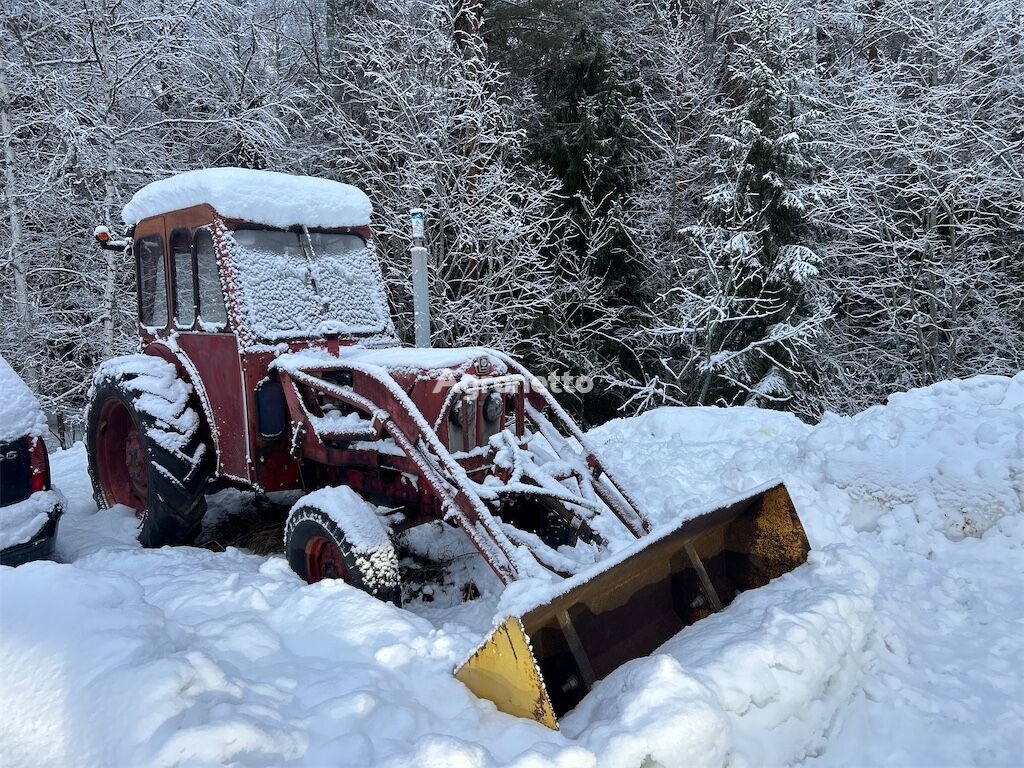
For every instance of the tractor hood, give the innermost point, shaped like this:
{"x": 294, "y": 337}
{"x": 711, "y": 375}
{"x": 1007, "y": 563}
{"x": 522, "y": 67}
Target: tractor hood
{"x": 402, "y": 362}
{"x": 427, "y": 377}
{"x": 405, "y": 365}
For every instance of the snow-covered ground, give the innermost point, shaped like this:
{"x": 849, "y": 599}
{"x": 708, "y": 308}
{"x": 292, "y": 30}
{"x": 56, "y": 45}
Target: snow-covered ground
{"x": 899, "y": 643}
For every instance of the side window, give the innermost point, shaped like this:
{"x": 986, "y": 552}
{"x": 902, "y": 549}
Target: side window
{"x": 211, "y": 297}
{"x": 152, "y": 281}
{"x": 184, "y": 279}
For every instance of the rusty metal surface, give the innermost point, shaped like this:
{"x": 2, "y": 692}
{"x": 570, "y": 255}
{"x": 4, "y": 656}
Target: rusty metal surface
{"x": 629, "y": 610}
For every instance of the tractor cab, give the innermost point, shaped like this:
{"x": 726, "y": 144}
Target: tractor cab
{"x": 234, "y": 267}
{"x": 267, "y": 256}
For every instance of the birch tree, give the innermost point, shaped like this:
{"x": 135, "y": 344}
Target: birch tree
{"x": 931, "y": 162}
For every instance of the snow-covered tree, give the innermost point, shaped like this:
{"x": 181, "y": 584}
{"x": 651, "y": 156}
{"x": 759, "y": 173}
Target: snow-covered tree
{"x": 930, "y": 156}
{"x": 420, "y": 121}
{"x": 742, "y": 303}
{"x": 98, "y": 99}
{"x": 789, "y": 203}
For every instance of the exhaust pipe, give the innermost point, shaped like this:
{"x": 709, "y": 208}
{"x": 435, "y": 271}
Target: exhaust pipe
{"x": 420, "y": 278}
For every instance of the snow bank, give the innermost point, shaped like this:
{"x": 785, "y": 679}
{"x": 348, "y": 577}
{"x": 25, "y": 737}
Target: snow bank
{"x": 264, "y": 197}
{"x": 951, "y": 456}
{"x": 945, "y": 687}
{"x": 952, "y": 453}
{"x": 760, "y": 684}
{"x": 188, "y": 657}
{"x": 897, "y": 644}
{"x": 20, "y": 414}
{"x": 185, "y": 656}
{"x": 705, "y": 455}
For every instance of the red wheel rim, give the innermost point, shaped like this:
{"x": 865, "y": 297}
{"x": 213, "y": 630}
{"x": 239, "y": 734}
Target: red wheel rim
{"x": 324, "y": 560}
{"x": 121, "y": 458}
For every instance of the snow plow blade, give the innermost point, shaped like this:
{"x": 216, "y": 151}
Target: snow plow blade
{"x": 542, "y": 663}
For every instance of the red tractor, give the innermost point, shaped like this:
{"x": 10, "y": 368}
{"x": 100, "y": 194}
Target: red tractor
{"x": 270, "y": 363}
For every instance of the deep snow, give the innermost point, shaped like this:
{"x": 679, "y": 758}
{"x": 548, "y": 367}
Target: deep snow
{"x": 898, "y": 644}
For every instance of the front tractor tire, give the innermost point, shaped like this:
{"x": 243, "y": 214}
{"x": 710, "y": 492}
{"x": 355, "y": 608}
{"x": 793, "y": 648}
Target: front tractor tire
{"x": 334, "y": 534}
{"x": 146, "y": 449}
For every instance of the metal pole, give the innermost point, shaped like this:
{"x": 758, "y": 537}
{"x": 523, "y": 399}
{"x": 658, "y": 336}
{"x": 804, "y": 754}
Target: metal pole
{"x": 420, "y": 279}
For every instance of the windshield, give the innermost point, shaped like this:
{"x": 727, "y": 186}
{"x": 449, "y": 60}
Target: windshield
{"x": 294, "y": 284}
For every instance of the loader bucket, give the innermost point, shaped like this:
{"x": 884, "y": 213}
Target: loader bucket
{"x": 541, "y": 664}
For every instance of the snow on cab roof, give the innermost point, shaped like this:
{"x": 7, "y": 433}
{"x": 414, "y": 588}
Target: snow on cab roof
{"x": 19, "y": 410}
{"x": 263, "y": 197}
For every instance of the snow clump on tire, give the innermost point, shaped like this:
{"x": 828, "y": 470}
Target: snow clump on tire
{"x": 160, "y": 394}
{"x": 362, "y": 537}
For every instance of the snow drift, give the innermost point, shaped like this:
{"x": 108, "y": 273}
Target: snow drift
{"x": 895, "y": 644}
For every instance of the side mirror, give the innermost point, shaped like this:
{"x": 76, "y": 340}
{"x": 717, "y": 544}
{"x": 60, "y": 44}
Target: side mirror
{"x": 108, "y": 243}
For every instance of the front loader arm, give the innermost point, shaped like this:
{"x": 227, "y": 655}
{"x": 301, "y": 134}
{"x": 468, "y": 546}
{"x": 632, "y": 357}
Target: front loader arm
{"x": 601, "y": 482}
{"x": 389, "y": 410}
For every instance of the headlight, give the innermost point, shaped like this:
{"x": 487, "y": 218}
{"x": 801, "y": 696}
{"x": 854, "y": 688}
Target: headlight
{"x": 483, "y": 364}
{"x": 455, "y": 414}
{"x": 493, "y": 406}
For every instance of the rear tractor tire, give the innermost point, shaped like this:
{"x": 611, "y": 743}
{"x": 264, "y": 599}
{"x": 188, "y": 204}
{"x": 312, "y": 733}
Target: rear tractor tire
{"x": 146, "y": 449}
{"x": 334, "y": 534}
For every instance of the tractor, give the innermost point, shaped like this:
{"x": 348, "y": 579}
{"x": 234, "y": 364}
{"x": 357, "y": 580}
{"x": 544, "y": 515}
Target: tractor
{"x": 269, "y": 362}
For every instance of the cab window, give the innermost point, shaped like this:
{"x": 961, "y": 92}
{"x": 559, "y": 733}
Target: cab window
{"x": 152, "y": 281}
{"x": 211, "y": 297}
{"x": 184, "y": 279}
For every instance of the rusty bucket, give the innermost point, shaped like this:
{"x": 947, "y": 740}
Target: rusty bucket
{"x": 542, "y": 662}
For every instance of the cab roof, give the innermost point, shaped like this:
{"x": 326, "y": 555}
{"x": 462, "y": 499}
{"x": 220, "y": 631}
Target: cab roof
{"x": 262, "y": 197}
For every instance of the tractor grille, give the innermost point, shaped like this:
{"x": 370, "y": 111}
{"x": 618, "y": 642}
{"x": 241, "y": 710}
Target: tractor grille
{"x": 15, "y": 472}
{"x": 468, "y": 424}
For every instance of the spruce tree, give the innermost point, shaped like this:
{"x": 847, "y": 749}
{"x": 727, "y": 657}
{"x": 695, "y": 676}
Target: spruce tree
{"x": 585, "y": 136}
{"x": 762, "y": 216}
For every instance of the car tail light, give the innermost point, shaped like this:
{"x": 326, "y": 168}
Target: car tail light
{"x": 40, "y": 464}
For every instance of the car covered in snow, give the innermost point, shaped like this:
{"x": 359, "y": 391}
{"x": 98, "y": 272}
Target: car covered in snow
{"x": 30, "y": 507}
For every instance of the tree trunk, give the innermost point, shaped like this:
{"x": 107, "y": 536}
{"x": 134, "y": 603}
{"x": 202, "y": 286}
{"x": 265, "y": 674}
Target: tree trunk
{"x": 19, "y": 253}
